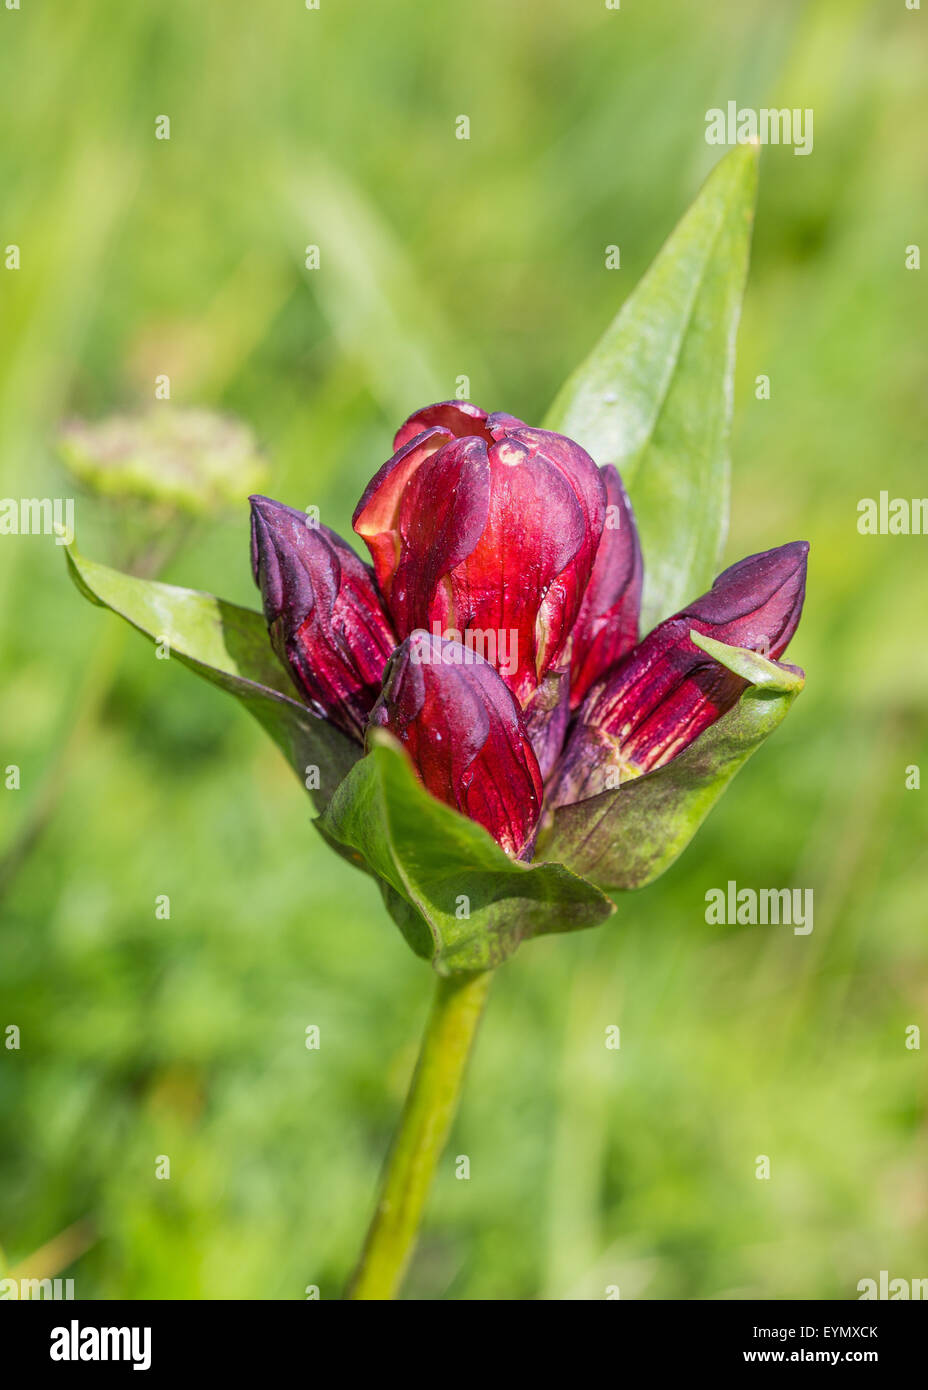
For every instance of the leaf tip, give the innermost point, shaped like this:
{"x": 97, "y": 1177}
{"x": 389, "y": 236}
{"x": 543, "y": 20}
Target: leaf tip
{"x": 775, "y": 676}
{"x": 73, "y": 560}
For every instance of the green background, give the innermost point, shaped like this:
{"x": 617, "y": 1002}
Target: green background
{"x": 440, "y": 257}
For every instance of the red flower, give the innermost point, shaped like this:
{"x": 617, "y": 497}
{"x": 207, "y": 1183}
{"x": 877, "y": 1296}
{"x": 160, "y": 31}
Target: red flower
{"x": 496, "y": 545}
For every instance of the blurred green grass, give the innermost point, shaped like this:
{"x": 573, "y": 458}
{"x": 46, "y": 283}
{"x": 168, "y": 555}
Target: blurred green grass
{"x": 442, "y": 257}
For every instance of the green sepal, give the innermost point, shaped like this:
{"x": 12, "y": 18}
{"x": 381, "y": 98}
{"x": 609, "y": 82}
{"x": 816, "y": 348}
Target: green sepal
{"x": 458, "y": 899}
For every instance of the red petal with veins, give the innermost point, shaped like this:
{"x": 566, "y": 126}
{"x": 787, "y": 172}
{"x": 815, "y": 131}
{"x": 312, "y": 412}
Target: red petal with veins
{"x": 465, "y": 735}
{"x": 657, "y": 700}
{"x": 376, "y": 517}
{"x": 440, "y": 518}
{"x": 668, "y": 690}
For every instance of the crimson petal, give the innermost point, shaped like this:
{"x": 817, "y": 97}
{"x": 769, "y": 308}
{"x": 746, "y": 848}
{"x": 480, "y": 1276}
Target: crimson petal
{"x": 658, "y": 699}
{"x": 488, "y": 528}
{"x": 457, "y": 418}
{"x": 376, "y": 517}
{"x": 465, "y": 735}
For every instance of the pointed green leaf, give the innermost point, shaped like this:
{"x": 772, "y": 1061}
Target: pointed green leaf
{"x": 456, "y": 896}
{"x": 626, "y": 838}
{"x": 655, "y": 395}
{"x": 228, "y": 646}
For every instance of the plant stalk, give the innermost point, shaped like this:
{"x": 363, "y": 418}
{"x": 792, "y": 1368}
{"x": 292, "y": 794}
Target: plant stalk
{"x": 420, "y": 1138}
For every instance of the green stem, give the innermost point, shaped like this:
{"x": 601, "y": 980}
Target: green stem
{"x": 427, "y": 1115}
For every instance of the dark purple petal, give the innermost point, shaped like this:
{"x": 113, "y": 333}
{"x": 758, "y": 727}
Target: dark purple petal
{"x": 323, "y": 612}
